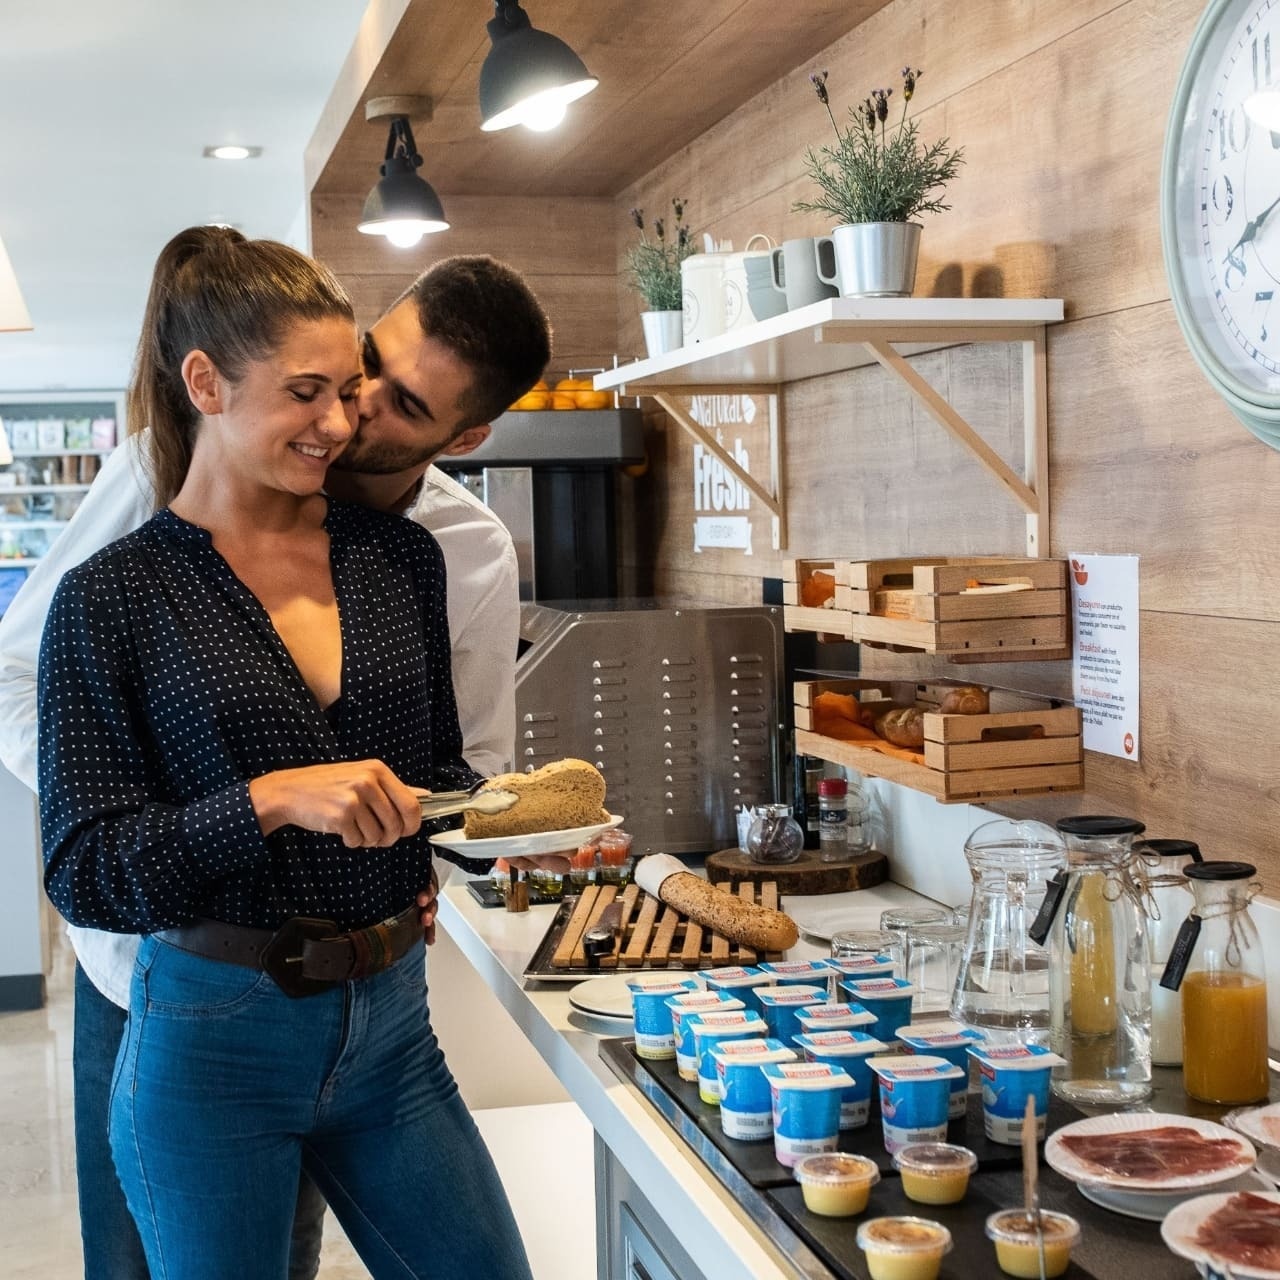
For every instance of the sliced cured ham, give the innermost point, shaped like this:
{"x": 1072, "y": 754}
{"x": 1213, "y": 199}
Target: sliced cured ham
{"x": 1243, "y": 1232}
{"x": 1173, "y": 1151}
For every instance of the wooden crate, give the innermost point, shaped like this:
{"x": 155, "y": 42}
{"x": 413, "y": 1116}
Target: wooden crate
{"x": 653, "y": 935}
{"x": 924, "y": 605}
{"x": 1024, "y": 746}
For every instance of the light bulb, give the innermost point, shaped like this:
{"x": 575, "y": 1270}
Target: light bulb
{"x": 404, "y": 235}
{"x": 543, "y": 114}
{"x": 1264, "y": 108}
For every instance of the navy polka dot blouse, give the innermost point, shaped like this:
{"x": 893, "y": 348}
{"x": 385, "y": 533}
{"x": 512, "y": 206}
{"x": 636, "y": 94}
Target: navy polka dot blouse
{"x": 164, "y": 688}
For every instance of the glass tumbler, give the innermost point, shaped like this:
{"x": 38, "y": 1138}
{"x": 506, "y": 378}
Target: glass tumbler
{"x": 933, "y": 955}
{"x": 849, "y": 944}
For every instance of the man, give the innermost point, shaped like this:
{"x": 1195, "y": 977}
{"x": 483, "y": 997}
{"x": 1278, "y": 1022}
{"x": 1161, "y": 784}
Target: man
{"x": 461, "y": 344}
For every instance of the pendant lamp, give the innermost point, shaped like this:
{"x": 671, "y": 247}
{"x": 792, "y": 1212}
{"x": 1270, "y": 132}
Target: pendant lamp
{"x": 13, "y": 310}
{"x": 529, "y": 76}
{"x": 402, "y": 206}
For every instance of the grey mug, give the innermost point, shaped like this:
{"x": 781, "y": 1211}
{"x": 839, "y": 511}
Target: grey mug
{"x": 796, "y": 271}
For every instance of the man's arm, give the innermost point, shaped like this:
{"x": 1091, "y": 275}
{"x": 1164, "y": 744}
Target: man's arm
{"x": 120, "y": 500}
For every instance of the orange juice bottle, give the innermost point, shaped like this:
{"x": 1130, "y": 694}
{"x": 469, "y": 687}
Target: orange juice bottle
{"x": 1224, "y": 991}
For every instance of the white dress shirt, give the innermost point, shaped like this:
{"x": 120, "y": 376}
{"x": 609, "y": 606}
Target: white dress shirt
{"x": 484, "y": 625}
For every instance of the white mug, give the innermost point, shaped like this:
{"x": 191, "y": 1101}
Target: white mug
{"x": 702, "y": 278}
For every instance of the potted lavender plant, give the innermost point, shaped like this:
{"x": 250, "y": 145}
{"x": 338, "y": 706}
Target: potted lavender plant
{"x": 874, "y": 181}
{"x": 653, "y": 264}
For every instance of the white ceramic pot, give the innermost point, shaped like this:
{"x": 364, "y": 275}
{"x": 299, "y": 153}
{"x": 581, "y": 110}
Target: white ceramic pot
{"x": 663, "y": 331}
{"x": 874, "y": 259}
{"x": 737, "y": 310}
{"x": 702, "y": 277}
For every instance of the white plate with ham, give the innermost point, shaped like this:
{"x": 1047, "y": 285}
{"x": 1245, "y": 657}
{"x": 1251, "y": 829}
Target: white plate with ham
{"x": 1259, "y": 1124}
{"x": 1239, "y": 1230}
{"x": 1148, "y": 1151}
{"x": 527, "y": 846}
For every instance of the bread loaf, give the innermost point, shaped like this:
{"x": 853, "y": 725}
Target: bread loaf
{"x": 724, "y": 913}
{"x": 903, "y": 726}
{"x": 965, "y": 700}
{"x": 560, "y": 795}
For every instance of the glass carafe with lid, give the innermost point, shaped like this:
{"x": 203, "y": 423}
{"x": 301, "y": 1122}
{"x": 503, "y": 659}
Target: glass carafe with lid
{"x": 1002, "y": 985}
{"x": 1100, "y": 967}
{"x": 1170, "y": 900}
{"x": 1224, "y": 988}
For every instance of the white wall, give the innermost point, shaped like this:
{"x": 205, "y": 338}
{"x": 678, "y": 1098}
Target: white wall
{"x": 21, "y": 893}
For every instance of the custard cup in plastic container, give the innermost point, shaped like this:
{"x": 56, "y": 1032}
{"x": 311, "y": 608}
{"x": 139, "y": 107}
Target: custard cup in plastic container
{"x": 915, "y": 1093}
{"x": 709, "y": 1028}
{"x": 849, "y": 1051}
{"x": 681, "y": 1007}
{"x": 868, "y": 965}
{"x": 833, "y": 1017}
{"x": 655, "y": 1035}
{"x": 835, "y": 1184}
{"x": 786, "y": 972}
{"x": 1018, "y": 1247}
{"x": 780, "y": 1007}
{"x": 945, "y": 1040}
{"x": 739, "y": 981}
{"x": 1010, "y": 1074}
{"x": 888, "y": 998}
{"x": 935, "y": 1172}
{"x": 904, "y": 1248}
{"x": 746, "y": 1112}
{"x": 805, "y": 1100}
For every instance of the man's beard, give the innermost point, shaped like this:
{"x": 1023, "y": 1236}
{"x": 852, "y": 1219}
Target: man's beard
{"x": 373, "y": 459}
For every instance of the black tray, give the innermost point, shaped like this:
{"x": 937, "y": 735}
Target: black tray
{"x": 487, "y": 896}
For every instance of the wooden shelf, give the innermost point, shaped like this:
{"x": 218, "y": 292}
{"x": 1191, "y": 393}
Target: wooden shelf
{"x": 838, "y": 334}
{"x": 20, "y": 562}
{"x": 60, "y": 453}
{"x": 22, "y": 490}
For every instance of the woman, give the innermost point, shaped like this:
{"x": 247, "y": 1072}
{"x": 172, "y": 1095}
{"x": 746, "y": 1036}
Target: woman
{"x": 234, "y": 701}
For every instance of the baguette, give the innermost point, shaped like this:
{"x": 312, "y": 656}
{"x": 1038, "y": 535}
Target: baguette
{"x": 724, "y": 913}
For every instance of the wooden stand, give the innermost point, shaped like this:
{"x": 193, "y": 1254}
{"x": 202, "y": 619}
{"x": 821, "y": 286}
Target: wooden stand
{"x": 806, "y": 875}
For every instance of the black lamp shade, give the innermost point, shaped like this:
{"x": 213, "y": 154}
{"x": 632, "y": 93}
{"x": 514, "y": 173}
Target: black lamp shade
{"x": 522, "y": 63}
{"x": 401, "y": 197}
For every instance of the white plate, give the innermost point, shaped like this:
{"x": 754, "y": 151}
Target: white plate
{"x": 523, "y": 846}
{"x": 1058, "y": 1157}
{"x": 823, "y": 922}
{"x": 1180, "y": 1227}
{"x": 1258, "y": 1124}
{"x": 608, "y": 997}
{"x": 1154, "y": 1206}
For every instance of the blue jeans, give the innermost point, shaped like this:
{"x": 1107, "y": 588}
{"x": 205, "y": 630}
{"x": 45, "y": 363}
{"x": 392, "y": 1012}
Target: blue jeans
{"x": 226, "y": 1088}
{"x": 112, "y": 1248}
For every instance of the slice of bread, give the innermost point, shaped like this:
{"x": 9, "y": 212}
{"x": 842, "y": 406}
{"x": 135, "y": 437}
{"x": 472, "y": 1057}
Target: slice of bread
{"x": 560, "y": 795}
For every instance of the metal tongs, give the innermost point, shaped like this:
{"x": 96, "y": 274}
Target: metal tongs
{"x": 481, "y": 798}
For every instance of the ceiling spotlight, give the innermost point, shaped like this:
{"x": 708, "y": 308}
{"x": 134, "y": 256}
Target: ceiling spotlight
{"x": 232, "y": 151}
{"x": 403, "y": 207}
{"x": 529, "y": 76}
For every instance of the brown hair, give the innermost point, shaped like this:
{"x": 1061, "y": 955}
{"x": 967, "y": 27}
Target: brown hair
{"x": 235, "y": 300}
{"x": 484, "y": 312}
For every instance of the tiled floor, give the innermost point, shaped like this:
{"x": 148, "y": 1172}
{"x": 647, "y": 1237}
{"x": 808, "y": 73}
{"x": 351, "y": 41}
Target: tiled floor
{"x": 39, "y": 1226}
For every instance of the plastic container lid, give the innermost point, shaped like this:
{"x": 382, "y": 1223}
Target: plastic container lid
{"x": 1172, "y": 849}
{"x": 833, "y": 787}
{"x": 1099, "y": 826}
{"x": 904, "y": 1236}
{"x": 935, "y": 1158}
{"x": 836, "y": 1169}
{"x": 1220, "y": 871}
{"x": 1015, "y": 1226}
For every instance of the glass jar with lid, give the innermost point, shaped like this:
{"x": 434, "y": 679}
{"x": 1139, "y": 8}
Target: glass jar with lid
{"x": 1170, "y": 900}
{"x": 775, "y": 836}
{"x": 1100, "y": 966}
{"x": 1224, "y": 990}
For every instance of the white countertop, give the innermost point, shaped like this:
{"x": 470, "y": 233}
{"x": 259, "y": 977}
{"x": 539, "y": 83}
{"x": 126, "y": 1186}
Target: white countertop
{"x": 703, "y": 1216}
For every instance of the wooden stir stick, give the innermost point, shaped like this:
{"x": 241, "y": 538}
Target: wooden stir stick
{"x": 1031, "y": 1177}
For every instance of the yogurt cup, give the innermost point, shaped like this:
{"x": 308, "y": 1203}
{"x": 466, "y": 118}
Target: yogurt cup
{"x": 915, "y": 1091}
{"x": 836, "y": 1185}
{"x": 805, "y": 1098}
{"x": 1009, "y": 1075}
{"x": 833, "y": 1017}
{"x": 851, "y": 1052}
{"x": 740, "y": 981}
{"x": 708, "y": 1029}
{"x": 863, "y": 966}
{"x": 935, "y": 1172}
{"x": 783, "y": 973}
{"x": 746, "y": 1112}
{"x": 681, "y": 1007}
{"x": 888, "y": 998}
{"x": 903, "y": 1248}
{"x": 655, "y": 1036}
{"x": 780, "y": 1007}
{"x": 944, "y": 1040}
{"x": 1018, "y": 1247}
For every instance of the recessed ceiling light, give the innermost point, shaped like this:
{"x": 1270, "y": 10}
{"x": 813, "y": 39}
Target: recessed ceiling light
{"x": 232, "y": 151}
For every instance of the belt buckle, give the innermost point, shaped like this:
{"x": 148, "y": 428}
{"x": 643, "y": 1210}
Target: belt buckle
{"x": 282, "y": 956}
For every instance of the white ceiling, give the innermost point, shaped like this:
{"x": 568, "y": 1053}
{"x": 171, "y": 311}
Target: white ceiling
{"x": 105, "y": 107}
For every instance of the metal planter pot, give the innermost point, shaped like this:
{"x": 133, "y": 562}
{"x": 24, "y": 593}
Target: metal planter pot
{"x": 877, "y": 259}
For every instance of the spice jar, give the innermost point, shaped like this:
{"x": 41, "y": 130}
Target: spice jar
{"x": 1170, "y": 900}
{"x": 833, "y": 820}
{"x": 1224, "y": 990}
{"x": 775, "y": 836}
{"x": 1099, "y": 965}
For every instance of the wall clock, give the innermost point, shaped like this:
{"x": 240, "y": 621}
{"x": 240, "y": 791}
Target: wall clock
{"x": 1220, "y": 208}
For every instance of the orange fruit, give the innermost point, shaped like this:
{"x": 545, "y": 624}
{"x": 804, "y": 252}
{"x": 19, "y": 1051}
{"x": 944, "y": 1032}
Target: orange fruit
{"x": 564, "y": 400}
{"x": 534, "y": 400}
{"x": 593, "y": 399}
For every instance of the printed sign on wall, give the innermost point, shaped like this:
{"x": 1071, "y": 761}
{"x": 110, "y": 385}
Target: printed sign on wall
{"x": 721, "y": 502}
{"x": 1104, "y": 665}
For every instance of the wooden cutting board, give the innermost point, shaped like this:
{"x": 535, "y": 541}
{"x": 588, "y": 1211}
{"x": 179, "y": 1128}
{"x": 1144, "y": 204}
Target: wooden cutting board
{"x": 806, "y": 875}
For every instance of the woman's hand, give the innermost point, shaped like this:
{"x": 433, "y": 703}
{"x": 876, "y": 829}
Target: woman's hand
{"x": 360, "y": 800}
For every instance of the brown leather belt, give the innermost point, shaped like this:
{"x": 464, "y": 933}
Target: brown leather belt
{"x": 303, "y": 956}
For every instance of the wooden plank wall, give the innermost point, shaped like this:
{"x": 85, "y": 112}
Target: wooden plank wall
{"x": 565, "y": 248}
{"x": 1061, "y": 107}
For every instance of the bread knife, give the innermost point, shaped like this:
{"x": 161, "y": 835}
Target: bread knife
{"x": 490, "y": 800}
{"x": 602, "y": 937}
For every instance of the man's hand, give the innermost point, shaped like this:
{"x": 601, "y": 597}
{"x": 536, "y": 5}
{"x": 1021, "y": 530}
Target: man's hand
{"x": 557, "y": 862}
{"x": 428, "y": 905}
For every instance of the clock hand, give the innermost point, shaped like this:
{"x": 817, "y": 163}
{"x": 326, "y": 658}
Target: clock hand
{"x": 1251, "y": 229}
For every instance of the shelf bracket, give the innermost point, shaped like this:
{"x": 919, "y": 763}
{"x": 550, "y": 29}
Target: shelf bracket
{"x": 773, "y": 498}
{"x": 1030, "y": 490}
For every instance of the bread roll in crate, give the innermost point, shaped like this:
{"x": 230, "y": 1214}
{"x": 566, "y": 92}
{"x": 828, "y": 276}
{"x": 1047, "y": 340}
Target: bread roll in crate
{"x": 967, "y": 608}
{"x": 1021, "y": 745}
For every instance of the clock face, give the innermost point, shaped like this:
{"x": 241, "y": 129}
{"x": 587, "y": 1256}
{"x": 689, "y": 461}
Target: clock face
{"x": 1221, "y": 205}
